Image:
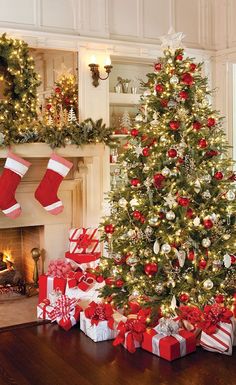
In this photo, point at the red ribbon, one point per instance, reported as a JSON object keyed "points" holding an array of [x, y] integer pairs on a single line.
{"points": [[212, 315], [100, 312], [130, 331], [85, 240], [63, 306], [81, 279], [191, 314]]}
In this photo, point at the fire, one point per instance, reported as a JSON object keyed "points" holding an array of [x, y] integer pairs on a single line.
{"points": [[7, 255]]}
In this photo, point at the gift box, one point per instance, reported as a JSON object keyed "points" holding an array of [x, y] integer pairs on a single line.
{"points": [[54, 295], [166, 340], [59, 268], [82, 260], [44, 310], [66, 312], [99, 332], [47, 284], [83, 286], [221, 341], [84, 241]]}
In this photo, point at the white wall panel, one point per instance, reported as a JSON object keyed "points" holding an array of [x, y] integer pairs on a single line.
{"points": [[18, 11], [124, 17], [156, 18], [188, 20], [95, 17], [59, 14]]}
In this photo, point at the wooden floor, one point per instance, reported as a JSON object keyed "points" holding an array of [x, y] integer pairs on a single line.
{"points": [[46, 355]]}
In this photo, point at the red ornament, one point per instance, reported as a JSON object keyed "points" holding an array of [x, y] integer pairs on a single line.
{"points": [[233, 259], [211, 122], [208, 224], [219, 298], [134, 132], [212, 153], [135, 182], [202, 143], [189, 213], [174, 125], [183, 95], [57, 90], [191, 255], [157, 66], [158, 180], [184, 202], [172, 153], [151, 268], [136, 215], [197, 126], [164, 102], [192, 67], [48, 106], [67, 100], [161, 215], [100, 279], [218, 175], [109, 229], [187, 79], [119, 282], [146, 151], [180, 160], [142, 219], [179, 57], [159, 88], [184, 297], [202, 264], [109, 281]]}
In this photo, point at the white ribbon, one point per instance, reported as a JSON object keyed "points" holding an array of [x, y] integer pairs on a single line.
{"points": [[158, 337], [49, 285]]}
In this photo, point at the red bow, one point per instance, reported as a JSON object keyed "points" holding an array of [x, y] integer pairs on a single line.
{"points": [[81, 279], [192, 314], [213, 314], [85, 240], [100, 312], [134, 329]]}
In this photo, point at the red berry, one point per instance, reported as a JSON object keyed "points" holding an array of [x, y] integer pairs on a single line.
{"points": [[172, 153], [192, 67], [189, 213], [142, 219], [218, 175], [187, 79], [183, 95], [219, 298], [136, 215], [179, 57], [174, 125], [211, 122], [151, 268], [202, 264], [159, 88], [183, 201], [208, 224], [202, 143], [184, 297], [146, 151], [109, 229], [191, 255], [135, 182], [197, 126], [157, 66], [134, 132], [119, 282]]}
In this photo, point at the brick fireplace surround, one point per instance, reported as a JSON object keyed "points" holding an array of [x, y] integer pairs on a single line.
{"points": [[81, 192]]}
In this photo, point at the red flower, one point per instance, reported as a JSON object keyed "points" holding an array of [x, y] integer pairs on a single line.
{"points": [[187, 79], [174, 125], [192, 67], [191, 314], [134, 132], [179, 57], [211, 122], [184, 202]]}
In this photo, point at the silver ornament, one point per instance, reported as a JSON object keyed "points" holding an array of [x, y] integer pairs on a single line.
{"points": [[170, 283], [156, 247], [166, 248], [208, 284], [196, 221], [206, 194], [217, 264], [174, 79], [170, 215], [122, 202], [148, 231], [227, 260], [206, 242], [165, 171], [131, 233], [159, 288], [172, 104], [206, 178], [230, 196], [133, 203], [153, 221], [135, 293]]}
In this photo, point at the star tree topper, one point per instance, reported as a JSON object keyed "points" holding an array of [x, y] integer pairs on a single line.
{"points": [[172, 40]]}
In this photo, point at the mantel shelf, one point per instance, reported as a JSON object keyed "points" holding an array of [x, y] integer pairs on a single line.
{"points": [[124, 99]]}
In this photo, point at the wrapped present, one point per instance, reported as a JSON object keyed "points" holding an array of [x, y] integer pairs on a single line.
{"points": [[59, 268], [44, 310], [54, 295], [66, 312], [217, 329], [189, 318], [83, 261], [84, 286], [47, 284], [84, 241], [97, 322], [168, 341]]}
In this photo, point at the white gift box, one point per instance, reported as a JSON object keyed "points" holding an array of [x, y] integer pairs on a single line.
{"points": [[91, 236], [84, 266], [99, 332], [53, 296], [221, 341], [92, 294], [43, 311]]}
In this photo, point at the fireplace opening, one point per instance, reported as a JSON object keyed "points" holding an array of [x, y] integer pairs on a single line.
{"points": [[16, 263]]}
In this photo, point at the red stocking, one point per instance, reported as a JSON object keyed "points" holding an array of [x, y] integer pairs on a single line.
{"points": [[46, 192]]}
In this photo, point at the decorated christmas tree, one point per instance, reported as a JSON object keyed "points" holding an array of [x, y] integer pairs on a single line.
{"points": [[171, 232]]}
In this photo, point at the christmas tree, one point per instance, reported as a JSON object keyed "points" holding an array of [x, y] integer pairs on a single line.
{"points": [[171, 232]]}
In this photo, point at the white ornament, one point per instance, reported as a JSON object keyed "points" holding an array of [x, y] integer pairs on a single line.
{"points": [[153, 221], [159, 288], [166, 248], [147, 93], [138, 118], [206, 194], [172, 103], [173, 303], [227, 260], [165, 171], [156, 247], [230, 196], [138, 150], [197, 186], [132, 260], [131, 233], [181, 255], [208, 284], [170, 215], [122, 202], [174, 79], [196, 221], [206, 242], [213, 217], [133, 203], [171, 202], [154, 123], [148, 231]]}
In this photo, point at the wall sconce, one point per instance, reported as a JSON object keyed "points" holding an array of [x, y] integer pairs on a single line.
{"points": [[94, 68]]}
